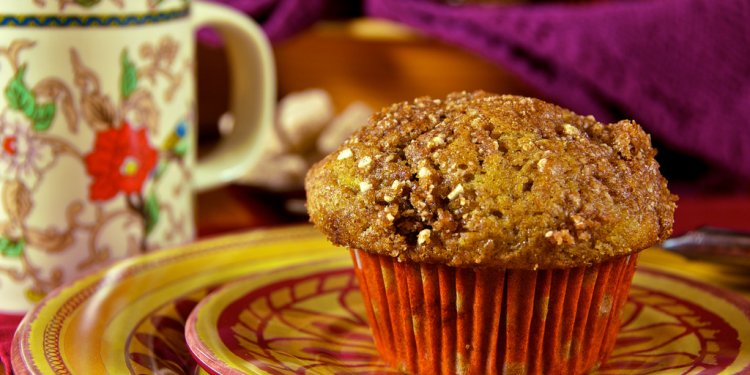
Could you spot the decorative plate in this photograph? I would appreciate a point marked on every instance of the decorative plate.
(295, 306)
(130, 318)
(311, 319)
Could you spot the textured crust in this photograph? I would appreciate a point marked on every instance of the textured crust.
(479, 179)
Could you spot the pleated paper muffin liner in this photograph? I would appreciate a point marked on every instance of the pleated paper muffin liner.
(432, 318)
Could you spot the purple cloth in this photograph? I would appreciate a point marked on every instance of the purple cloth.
(681, 68)
(280, 19)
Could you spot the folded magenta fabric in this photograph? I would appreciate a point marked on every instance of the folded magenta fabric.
(681, 68)
(280, 19)
(8, 324)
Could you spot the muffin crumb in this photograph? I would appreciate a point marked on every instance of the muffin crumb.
(365, 186)
(345, 154)
(455, 192)
(364, 162)
(424, 236)
(423, 172)
(437, 140)
(559, 237)
(541, 164)
(570, 129)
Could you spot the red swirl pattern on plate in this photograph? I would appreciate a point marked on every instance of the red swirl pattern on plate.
(157, 345)
(662, 332)
(300, 324)
(318, 321)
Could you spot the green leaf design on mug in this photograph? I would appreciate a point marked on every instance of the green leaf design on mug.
(43, 116)
(11, 248)
(87, 3)
(151, 212)
(21, 98)
(129, 80)
(181, 148)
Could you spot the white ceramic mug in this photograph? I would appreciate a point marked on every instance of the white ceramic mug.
(98, 127)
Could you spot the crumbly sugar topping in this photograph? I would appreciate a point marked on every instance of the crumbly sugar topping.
(478, 179)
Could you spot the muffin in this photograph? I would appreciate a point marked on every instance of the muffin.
(492, 233)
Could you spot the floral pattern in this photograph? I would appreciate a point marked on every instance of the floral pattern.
(120, 162)
(23, 157)
(123, 159)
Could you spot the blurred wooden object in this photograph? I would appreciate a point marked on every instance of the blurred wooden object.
(372, 61)
(380, 62)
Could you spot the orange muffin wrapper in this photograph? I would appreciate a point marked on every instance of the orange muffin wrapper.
(432, 319)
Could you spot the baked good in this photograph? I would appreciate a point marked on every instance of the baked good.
(520, 202)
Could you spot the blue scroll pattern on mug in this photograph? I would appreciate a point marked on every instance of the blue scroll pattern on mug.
(91, 21)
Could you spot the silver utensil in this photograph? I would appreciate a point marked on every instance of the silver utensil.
(711, 244)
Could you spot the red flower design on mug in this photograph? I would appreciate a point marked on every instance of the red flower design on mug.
(121, 160)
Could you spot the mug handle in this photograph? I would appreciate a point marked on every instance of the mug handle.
(252, 73)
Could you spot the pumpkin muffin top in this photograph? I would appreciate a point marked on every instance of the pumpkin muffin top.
(478, 179)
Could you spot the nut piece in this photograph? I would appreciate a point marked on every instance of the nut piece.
(345, 154)
(365, 186)
(423, 236)
(423, 172)
(455, 192)
(436, 141)
(365, 161)
(578, 221)
(558, 237)
(541, 164)
(570, 129)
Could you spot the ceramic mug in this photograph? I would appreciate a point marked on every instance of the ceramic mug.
(98, 131)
